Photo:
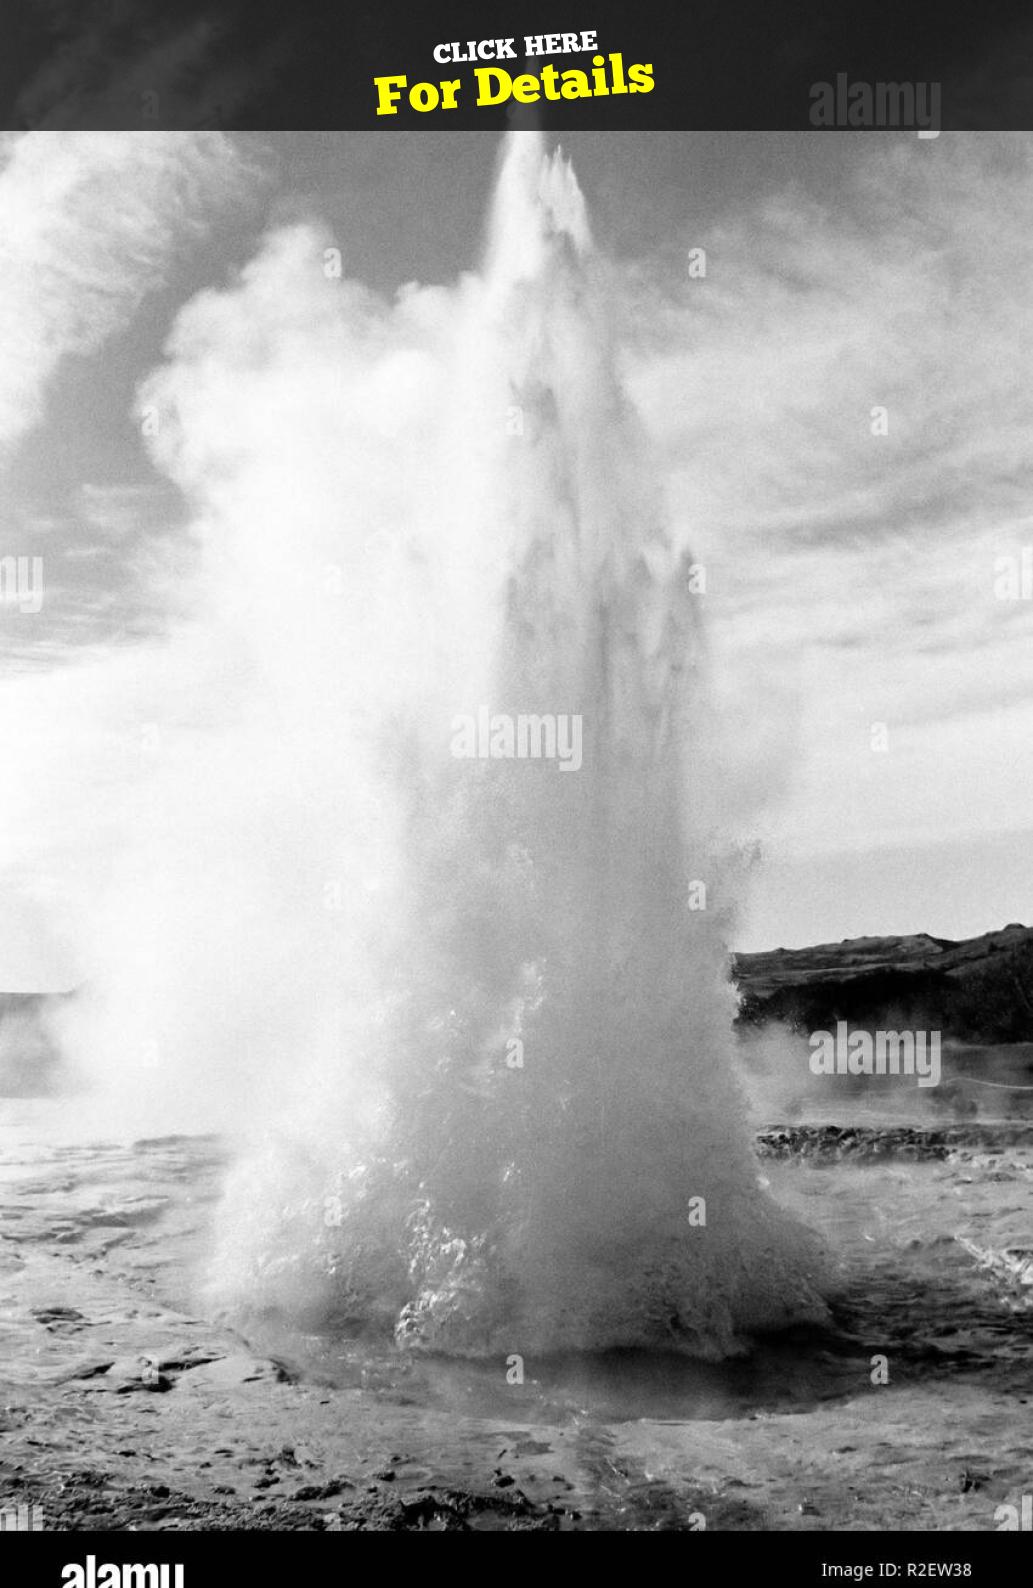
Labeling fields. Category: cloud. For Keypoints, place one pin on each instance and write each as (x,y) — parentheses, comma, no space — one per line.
(850,569)
(90,222)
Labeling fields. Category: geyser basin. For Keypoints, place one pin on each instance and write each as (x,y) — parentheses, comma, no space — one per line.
(546,1149)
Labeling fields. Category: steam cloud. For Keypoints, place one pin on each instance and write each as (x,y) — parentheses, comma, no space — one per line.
(324,931)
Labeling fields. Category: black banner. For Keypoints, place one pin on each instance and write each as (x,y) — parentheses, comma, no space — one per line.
(262,65)
(191,1560)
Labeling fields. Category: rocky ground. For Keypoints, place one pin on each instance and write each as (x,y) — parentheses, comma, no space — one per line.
(125,1405)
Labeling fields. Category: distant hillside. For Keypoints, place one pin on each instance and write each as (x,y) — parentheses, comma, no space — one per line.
(979,990)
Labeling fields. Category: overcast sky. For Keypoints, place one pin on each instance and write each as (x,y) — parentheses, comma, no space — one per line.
(850,575)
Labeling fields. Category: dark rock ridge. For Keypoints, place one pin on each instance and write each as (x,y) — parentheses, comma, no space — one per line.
(978,990)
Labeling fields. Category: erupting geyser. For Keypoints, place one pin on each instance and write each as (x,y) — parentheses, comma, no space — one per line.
(466,996)
(554,1047)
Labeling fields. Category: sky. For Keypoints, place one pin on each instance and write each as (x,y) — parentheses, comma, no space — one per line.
(839,411)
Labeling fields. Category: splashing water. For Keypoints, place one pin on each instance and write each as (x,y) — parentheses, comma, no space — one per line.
(465,998)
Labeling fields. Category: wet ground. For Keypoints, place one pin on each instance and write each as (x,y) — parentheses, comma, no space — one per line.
(124,1405)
